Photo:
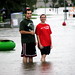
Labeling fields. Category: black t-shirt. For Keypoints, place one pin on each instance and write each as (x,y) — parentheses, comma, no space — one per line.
(27,25)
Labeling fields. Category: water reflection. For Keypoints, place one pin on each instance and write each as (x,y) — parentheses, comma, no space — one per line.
(29,66)
(44,68)
(28,69)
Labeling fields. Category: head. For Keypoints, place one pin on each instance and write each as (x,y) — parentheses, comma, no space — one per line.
(43,18)
(28,13)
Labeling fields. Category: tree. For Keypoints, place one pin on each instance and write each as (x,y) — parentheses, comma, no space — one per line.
(53,3)
(45,1)
(16,5)
(31,3)
(61,3)
(73,2)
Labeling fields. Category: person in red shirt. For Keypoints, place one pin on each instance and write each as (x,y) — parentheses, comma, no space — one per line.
(43,33)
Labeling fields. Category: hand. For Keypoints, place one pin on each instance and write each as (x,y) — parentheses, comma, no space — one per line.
(41,47)
(32,32)
(51,47)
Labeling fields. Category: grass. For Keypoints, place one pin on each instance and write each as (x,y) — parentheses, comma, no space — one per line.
(34,14)
(33,18)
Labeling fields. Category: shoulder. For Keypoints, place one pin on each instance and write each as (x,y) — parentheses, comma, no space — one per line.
(47,24)
(39,25)
(31,21)
(23,21)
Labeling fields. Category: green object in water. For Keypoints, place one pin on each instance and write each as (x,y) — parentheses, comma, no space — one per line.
(7,45)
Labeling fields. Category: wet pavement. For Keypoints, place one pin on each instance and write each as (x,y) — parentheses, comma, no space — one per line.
(61,61)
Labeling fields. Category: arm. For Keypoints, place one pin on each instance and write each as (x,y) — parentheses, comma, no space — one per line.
(39,43)
(23,28)
(27,32)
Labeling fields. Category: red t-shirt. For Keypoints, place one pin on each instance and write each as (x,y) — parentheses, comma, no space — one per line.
(44,31)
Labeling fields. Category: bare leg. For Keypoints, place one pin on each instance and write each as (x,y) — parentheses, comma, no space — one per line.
(25,59)
(30,59)
(43,58)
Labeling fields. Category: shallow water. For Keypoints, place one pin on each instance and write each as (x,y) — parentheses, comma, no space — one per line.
(61,61)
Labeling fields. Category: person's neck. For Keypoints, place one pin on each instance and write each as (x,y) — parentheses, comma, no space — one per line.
(27,18)
(42,22)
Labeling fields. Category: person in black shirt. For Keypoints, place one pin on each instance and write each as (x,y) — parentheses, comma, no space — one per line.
(26,30)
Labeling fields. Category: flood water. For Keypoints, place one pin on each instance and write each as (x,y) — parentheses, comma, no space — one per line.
(11,62)
(61,61)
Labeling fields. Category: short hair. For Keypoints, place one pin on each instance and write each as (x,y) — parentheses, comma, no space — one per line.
(27,10)
(42,15)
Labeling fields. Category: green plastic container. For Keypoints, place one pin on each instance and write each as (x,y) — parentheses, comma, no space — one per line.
(7,45)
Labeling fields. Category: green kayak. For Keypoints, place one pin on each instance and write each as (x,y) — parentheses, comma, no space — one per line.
(7,45)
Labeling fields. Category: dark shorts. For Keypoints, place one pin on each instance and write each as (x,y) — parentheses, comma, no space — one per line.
(45,50)
(28,50)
